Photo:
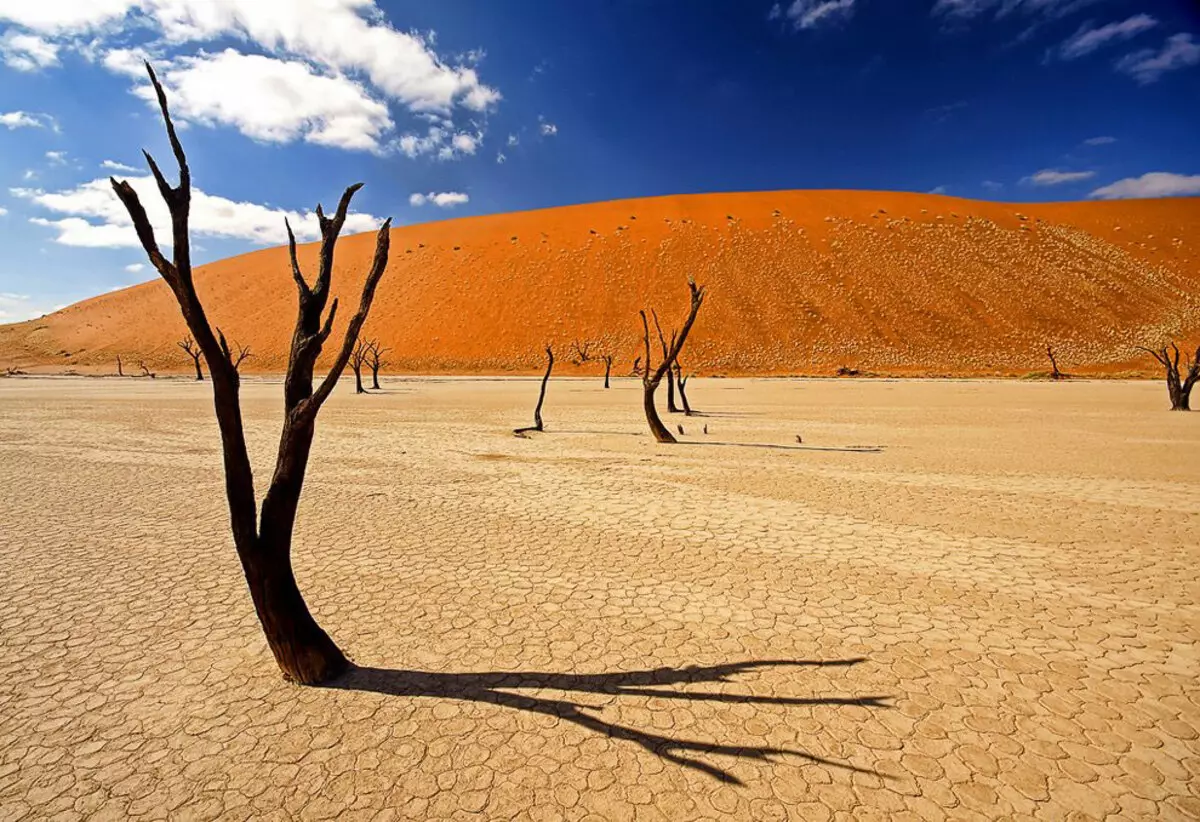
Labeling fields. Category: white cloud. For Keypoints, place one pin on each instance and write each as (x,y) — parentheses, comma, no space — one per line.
(501,159)
(96,218)
(938,190)
(445,199)
(25,119)
(548,129)
(3,211)
(1146,66)
(513,140)
(273,100)
(1088,39)
(1054,177)
(992,185)
(968,9)
(808,14)
(15,308)
(1099,141)
(1153,184)
(134,268)
(441,142)
(57,158)
(113,165)
(27,52)
(344,35)
(29,174)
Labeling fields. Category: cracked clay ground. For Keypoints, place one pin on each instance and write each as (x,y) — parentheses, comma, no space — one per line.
(996,616)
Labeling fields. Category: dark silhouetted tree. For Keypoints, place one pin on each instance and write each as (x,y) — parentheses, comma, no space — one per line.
(1178,388)
(681,382)
(583,353)
(357,360)
(652,375)
(537,411)
(120,370)
(1055,374)
(303,651)
(146,372)
(375,360)
(193,351)
(662,341)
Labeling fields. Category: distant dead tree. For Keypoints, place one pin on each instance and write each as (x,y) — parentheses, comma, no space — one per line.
(537,411)
(1055,374)
(375,361)
(193,351)
(637,367)
(146,372)
(583,353)
(357,359)
(662,341)
(303,651)
(652,375)
(120,371)
(1180,390)
(681,381)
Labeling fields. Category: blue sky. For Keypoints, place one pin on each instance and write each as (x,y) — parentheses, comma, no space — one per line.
(454,108)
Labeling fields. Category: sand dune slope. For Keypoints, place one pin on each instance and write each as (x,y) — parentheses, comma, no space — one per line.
(801,282)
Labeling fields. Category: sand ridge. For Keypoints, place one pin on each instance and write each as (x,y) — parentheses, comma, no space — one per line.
(800,282)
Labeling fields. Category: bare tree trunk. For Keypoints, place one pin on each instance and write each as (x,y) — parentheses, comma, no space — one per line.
(1178,389)
(652,376)
(375,377)
(1056,374)
(537,411)
(608,360)
(681,381)
(671,406)
(358,386)
(303,651)
(120,372)
(199,373)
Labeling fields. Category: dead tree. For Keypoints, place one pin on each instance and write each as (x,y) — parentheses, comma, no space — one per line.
(193,351)
(303,651)
(120,371)
(608,361)
(652,375)
(1055,374)
(681,382)
(583,353)
(357,359)
(537,411)
(662,341)
(146,372)
(1180,390)
(375,361)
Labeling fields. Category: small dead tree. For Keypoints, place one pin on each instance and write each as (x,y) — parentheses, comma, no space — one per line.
(357,360)
(583,353)
(1055,374)
(375,361)
(662,341)
(653,375)
(146,372)
(537,411)
(681,381)
(193,351)
(1179,389)
(303,651)
(120,370)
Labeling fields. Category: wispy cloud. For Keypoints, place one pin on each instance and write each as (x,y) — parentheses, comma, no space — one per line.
(1153,184)
(1054,177)
(1088,38)
(27,119)
(1146,66)
(112,165)
(1099,141)
(443,199)
(992,186)
(809,14)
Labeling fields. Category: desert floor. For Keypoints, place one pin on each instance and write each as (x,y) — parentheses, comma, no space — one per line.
(996,615)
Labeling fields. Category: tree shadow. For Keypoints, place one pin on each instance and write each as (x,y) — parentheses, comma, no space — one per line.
(841,449)
(492,687)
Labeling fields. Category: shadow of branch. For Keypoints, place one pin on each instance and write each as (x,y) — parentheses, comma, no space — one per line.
(491,687)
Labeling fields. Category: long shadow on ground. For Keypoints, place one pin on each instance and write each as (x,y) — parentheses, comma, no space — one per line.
(491,688)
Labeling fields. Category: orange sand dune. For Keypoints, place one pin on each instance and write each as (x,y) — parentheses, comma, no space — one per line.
(800,282)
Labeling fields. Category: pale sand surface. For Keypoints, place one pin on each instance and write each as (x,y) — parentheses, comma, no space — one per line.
(575,625)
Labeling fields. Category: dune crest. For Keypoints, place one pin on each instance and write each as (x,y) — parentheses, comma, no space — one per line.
(800,282)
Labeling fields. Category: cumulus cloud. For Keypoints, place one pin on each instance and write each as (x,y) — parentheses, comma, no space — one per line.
(27,52)
(134,268)
(1153,184)
(1088,39)
(273,101)
(1146,66)
(94,217)
(57,158)
(440,142)
(25,119)
(1054,177)
(444,199)
(547,129)
(330,40)
(3,211)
